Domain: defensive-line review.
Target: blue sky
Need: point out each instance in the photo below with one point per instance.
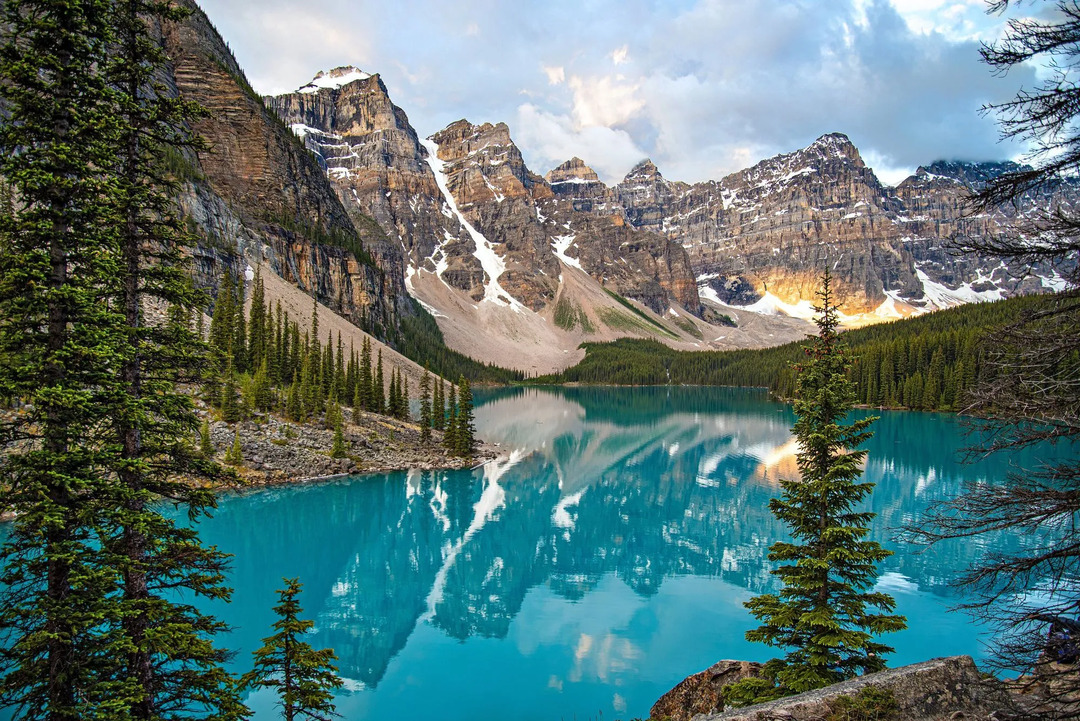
(703, 87)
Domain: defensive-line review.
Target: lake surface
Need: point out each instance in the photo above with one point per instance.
(604, 560)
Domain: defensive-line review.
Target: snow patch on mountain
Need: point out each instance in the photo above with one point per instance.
(942, 296)
(560, 244)
(335, 79)
(493, 265)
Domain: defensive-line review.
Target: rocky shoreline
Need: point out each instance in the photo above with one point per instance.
(941, 689)
(277, 452)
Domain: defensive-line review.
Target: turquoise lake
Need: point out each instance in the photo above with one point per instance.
(606, 558)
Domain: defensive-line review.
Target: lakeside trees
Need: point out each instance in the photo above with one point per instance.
(826, 614)
(90, 625)
(927, 362)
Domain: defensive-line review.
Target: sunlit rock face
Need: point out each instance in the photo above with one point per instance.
(765, 233)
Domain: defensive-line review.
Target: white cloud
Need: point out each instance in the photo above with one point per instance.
(606, 100)
(551, 139)
(555, 75)
(711, 86)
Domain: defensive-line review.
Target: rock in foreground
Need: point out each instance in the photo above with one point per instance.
(935, 690)
(700, 693)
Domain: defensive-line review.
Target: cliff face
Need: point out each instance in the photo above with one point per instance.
(257, 195)
(481, 234)
(760, 237)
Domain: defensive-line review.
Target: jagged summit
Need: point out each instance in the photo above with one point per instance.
(834, 146)
(974, 174)
(572, 171)
(334, 79)
(644, 170)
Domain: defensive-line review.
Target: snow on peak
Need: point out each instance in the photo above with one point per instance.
(334, 79)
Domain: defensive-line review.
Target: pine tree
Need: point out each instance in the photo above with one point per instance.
(235, 455)
(55, 137)
(165, 646)
(239, 332)
(206, 448)
(259, 335)
(464, 430)
(230, 397)
(294, 406)
(403, 396)
(393, 400)
(366, 395)
(425, 407)
(303, 678)
(826, 614)
(378, 404)
(450, 439)
(438, 405)
(338, 450)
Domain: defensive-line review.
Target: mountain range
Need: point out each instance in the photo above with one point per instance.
(332, 188)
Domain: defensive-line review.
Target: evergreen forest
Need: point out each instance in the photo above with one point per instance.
(926, 362)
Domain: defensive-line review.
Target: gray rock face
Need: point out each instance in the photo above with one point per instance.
(382, 169)
(701, 693)
(943, 688)
(770, 228)
(255, 194)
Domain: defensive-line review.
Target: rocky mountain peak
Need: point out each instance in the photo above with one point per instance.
(974, 174)
(645, 171)
(572, 171)
(334, 79)
(835, 146)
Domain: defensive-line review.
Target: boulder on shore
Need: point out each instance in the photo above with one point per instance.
(700, 693)
(937, 690)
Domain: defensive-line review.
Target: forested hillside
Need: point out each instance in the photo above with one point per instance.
(925, 362)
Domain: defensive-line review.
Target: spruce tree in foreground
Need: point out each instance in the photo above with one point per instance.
(303, 678)
(826, 615)
(56, 346)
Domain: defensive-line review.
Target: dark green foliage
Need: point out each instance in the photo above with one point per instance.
(438, 405)
(425, 407)
(378, 402)
(422, 341)
(303, 678)
(826, 615)
(56, 351)
(896, 361)
(364, 391)
(338, 450)
(235, 455)
(82, 79)
(463, 425)
(206, 448)
(450, 436)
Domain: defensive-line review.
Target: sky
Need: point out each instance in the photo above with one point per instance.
(702, 87)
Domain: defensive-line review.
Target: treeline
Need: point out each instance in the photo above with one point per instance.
(262, 363)
(926, 362)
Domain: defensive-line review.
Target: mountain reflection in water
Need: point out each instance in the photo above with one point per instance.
(600, 489)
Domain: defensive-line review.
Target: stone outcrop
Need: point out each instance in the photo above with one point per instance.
(701, 693)
(275, 451)
(936, 690)
(255, 192)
